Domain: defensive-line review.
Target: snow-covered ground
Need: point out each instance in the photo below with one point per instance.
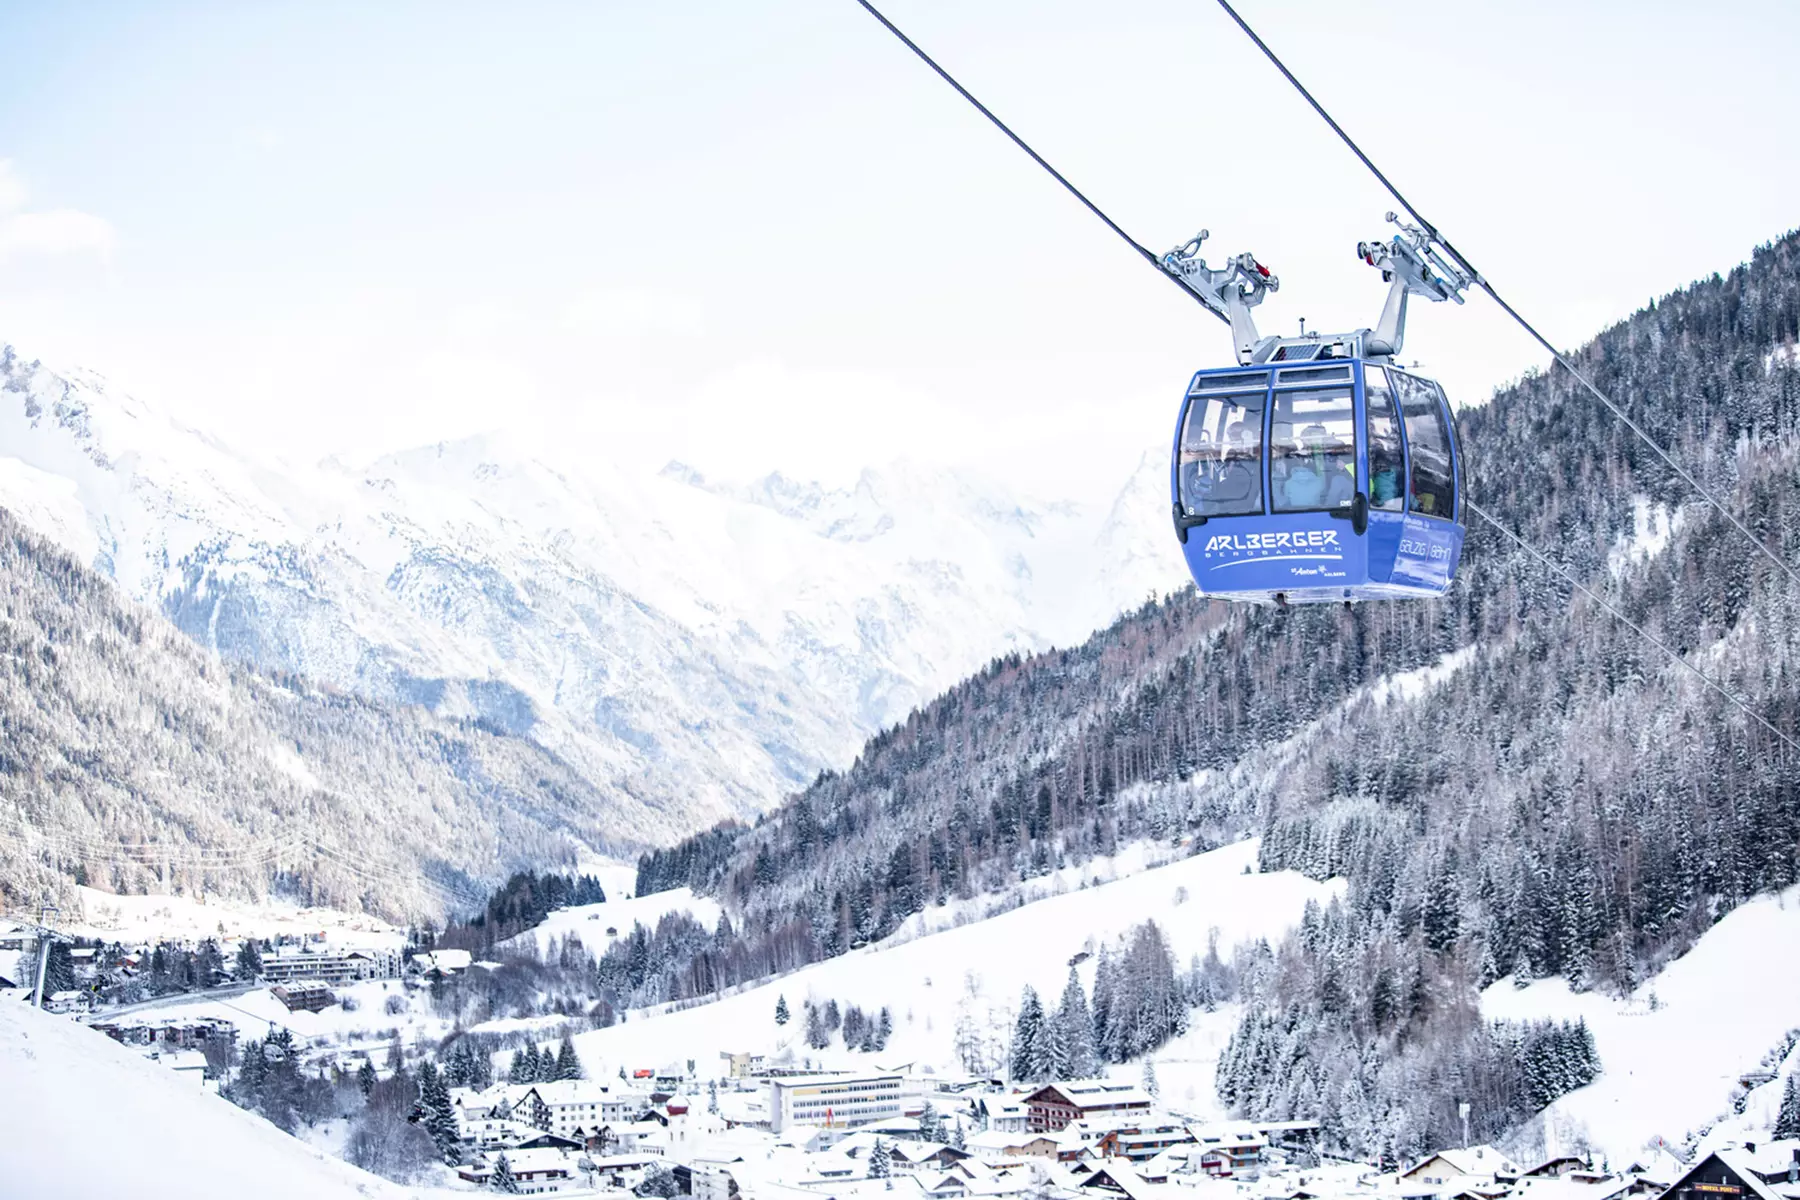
(145, 1132)
(257, 1012)
(153, 918)
(591, 922)
(977, 971)
(1673, 1051)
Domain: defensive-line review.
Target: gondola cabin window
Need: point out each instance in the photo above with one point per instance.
(1387, 461)
(1220, 466)
(1428, 438)
(1312, 450)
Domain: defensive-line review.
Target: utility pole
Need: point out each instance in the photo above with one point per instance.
(44, 936)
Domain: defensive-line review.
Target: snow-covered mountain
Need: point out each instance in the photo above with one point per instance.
(696, 646)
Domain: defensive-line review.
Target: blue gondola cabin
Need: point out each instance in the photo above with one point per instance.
(1332, 480)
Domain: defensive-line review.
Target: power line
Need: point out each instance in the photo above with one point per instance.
(1037, 158)
(1673, 655)
(1508, 309)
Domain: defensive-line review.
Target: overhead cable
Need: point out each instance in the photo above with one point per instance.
(1463, 261)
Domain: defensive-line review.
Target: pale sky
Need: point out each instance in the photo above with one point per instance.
(757, 235)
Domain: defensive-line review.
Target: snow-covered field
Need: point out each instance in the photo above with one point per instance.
(154, 918)
(590, 922)
(1673, 1051)
(979, 969)
(149, 1134)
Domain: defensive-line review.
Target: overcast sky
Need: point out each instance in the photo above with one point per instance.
(758, 235)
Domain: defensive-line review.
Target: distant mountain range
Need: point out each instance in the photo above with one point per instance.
(696, 648)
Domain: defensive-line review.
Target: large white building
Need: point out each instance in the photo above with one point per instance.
(335, 965)
(838, 1101)
(572, 1108)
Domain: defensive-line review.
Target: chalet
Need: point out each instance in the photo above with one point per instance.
(1726, 1175)
(1778, 1163)
(1140, 1140)
(1556, 1168)
(1451, 1171)
(442, 962)
(1229, 1151)
(1054, 1105)
(1005, 1114)
(993, 1147)
(536, 1171)
(308, 995)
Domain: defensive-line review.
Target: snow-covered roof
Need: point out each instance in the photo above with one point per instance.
(1484, 1161)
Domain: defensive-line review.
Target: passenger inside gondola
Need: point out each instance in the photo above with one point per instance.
(1220, 472)
(1315, 468)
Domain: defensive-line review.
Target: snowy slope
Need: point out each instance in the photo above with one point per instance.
(702, 646)
(979, 969)
(590, 922)
(1672, 1052)
(162, 1136)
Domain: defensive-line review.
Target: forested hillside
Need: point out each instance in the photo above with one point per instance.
(125, 749)
(1557, 799)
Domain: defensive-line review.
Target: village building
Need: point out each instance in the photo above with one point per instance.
(304, 995)
(835, 1100)
(1054, 1105)
(1450, 1172)
(578, 1109)
(332, 966)
(1229, 1151)
(1734, 1175)
(536, 1172)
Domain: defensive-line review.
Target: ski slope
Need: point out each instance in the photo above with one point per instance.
(974, 972)
(1672, 1052)
(591, 922)
(85, 1117)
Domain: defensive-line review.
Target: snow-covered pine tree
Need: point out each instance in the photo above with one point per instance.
(1026, 1031)
(1104, 981)
(1077, 1024)
(439, 1116)
(502, 1179)
(818, 1033)
(524, 1065)
(568, 1063)
(365, 1077)
(880, 1164)
(1047, 1049)
(1149, 1077)
(1787, 1121)
(884, 1029)
(781, 1010)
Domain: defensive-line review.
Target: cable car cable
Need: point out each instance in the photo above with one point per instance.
(1463, 261)
(1673, 655)
(1527, 326)
(1020, 142)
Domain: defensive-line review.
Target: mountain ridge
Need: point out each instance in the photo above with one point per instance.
(699, 648)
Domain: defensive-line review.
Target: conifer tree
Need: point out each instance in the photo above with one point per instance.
(1076, 1023)
(365, 1077)
(502, 1179)
(1787, 1121)
(525, 1065)
(1026, 1032)
(568, 1063)
(781, 1010)
(880, 1164)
